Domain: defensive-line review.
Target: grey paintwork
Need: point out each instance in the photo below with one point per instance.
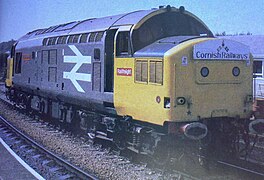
(33, 38)
(34, 75)
(158, 48)
(37, 72)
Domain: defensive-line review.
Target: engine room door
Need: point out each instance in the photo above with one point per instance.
(109, 61)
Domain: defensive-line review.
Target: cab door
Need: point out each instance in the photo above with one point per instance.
(109, 60)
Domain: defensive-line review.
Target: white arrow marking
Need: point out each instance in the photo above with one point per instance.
(79, 59)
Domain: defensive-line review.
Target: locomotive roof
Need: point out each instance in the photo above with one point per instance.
(97, 24)
(89, 25)
(158, 48)
(134, 19)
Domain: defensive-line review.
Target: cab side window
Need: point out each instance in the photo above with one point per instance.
(122, 44)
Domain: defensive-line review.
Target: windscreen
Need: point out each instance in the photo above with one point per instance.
(166, 25)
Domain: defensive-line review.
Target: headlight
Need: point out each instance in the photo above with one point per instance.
(204, 71)
(236, 71)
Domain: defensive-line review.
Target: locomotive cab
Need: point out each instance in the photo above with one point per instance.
(142, 76)
(174, 74)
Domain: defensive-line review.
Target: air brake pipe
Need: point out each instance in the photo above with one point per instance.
(194, 131)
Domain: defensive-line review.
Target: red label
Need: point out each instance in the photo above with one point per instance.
(124, 71)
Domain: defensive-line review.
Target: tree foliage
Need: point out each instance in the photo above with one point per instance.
(236, 34)
(6, 46)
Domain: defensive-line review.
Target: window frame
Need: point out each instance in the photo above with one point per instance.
(120, 41)
(76, 38)
(141, 74)
(60, 40)
(99, 36)
(45, 41)
(257, 74)
(92, 37)
(97, 54)
(155, 74)
(82, 38)
(148, 71)
(70, 39)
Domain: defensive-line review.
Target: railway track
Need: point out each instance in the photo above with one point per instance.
(247, 170)
(224, 169)
(53, 166)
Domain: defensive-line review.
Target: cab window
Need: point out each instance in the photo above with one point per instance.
(122, 44)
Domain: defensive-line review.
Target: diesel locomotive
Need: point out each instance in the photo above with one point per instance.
(144, 80)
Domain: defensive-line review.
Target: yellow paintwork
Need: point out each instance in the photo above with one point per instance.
(219, 95)
(138, 99)
(9, 73)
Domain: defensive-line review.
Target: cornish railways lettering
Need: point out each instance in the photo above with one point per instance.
(221, 49)
(221, 55)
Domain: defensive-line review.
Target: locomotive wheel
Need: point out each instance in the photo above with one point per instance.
(120, 141)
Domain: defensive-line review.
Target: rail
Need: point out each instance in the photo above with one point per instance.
(69, 167)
